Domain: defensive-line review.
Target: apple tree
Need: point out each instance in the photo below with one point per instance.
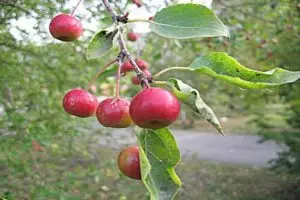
(156, 106)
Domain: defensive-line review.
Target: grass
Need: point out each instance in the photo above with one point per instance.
(78, 168)
(208, 180)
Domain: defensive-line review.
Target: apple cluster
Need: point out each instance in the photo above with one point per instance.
(151, 108)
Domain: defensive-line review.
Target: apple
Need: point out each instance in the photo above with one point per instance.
(154, 108)
(132, 36)
(129, 162)
(138, 3)
(114, 113)
(142, 64)
(135, 79)
(80, 103)
(65, 27)
(126, 67)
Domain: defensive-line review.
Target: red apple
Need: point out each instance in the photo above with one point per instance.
(129, 162)
(80, 103)
(135, 79)
(154, 108)
(142, 64)
(114, 113)
(126, 67)
(132, 36)
(138, 3)
(65, 27)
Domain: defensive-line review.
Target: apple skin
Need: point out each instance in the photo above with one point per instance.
(154, 108)
(142, 64)
(65, 27)
(126, 67)
(129, 162)
(131, 36)
(114, 113)
(135, 79)
(80, 103)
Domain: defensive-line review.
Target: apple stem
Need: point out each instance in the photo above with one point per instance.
(140, 74)
(75, 8)
(161, 83)
(120, 62)
(99, 73)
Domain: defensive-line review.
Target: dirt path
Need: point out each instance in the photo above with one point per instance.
(235, 149)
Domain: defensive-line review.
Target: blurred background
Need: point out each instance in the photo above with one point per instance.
(48, 154)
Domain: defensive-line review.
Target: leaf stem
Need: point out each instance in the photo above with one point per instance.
(161, 83)
(169, 69)
(75, 8)
(138, 20)
(99, 73)
(140, 74)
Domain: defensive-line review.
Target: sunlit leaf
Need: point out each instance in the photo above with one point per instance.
(183, 21)
(222, 66)
(191, 97)
(159, 154)
(101, 43)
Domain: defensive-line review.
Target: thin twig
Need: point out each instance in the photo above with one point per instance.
(140, 74)
(75, 8)
(99, 73)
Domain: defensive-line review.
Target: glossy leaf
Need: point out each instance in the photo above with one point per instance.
(222, 66)
(183, 21)
(101, 43)
(191, 97)
(110, 71)
(159, 154)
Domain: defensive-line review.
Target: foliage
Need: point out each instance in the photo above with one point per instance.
(159, 154)
(187, 21)
(273, 40)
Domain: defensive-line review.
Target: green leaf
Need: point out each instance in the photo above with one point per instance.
(159, 154)
(183, 21)
(191, 97)
(110, 71)
(222, 66)
(101, 43)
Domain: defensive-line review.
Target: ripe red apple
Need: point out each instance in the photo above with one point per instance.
(132, 36)
(126, 67)
(129, 162)
(114, 113)
(80, 103)
(65, 27)
(138, 3)
(142, 64)
(154, 108)
(135, 79)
